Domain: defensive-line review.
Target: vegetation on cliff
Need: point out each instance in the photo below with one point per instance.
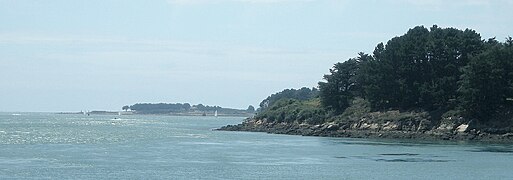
(297, 94)
(437, 72)
(292, 110)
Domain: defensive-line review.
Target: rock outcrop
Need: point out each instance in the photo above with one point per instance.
(393, 125)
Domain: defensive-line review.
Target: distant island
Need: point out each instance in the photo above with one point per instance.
(185, 109)
(436, 83)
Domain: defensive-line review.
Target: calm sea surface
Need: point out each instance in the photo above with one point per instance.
(52, 146)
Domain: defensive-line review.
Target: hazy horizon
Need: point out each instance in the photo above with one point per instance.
(65, 56)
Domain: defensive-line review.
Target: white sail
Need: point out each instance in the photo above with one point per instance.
(215, 113)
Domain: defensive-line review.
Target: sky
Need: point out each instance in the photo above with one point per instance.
(65, 56)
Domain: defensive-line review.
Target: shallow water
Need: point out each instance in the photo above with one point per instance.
(54, 146)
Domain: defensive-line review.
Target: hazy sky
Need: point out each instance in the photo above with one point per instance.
(62, 55)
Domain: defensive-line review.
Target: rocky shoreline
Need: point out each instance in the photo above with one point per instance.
(419, 130)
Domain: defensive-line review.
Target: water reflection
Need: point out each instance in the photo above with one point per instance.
(494, 149)
(400, 154)
(404, 157)
(412, 160)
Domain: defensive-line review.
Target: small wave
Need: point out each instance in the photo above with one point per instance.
(412, 160)
(201, 136)
(204, 143)
(201, 162)
(258, 163)
(399, 154)
(122, 119)
(15, 114)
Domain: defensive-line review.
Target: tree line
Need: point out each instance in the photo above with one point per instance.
(165, 108)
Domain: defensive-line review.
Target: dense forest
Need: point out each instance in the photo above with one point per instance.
(443, 71)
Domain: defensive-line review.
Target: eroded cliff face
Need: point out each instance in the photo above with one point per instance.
(391, 124)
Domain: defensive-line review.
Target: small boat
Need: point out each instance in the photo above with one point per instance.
(215, 114)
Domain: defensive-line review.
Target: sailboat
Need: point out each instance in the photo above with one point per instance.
(215, 114)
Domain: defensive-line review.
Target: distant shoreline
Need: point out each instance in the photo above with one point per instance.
(128, 113)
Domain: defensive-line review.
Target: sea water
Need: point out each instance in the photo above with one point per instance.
(58, 146)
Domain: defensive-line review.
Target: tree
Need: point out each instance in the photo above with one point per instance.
(340, 86)
(293, 110)
(250, 109)
(299, 94)
(200, 107)
(419, 69)
(187, 106)
(125, 108)
(486, 86)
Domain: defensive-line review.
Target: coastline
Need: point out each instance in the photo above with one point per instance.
(130, 113)
(352, 131)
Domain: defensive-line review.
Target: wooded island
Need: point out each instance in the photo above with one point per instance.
(187, 109)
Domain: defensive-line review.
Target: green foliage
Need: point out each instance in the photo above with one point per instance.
(435, 70)
(419, 69)
(487, 82)
(299, 94)
(292, 110)
(340, 86)
(359, 107)
(166, 108)
(159, 108)
(250, 109)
